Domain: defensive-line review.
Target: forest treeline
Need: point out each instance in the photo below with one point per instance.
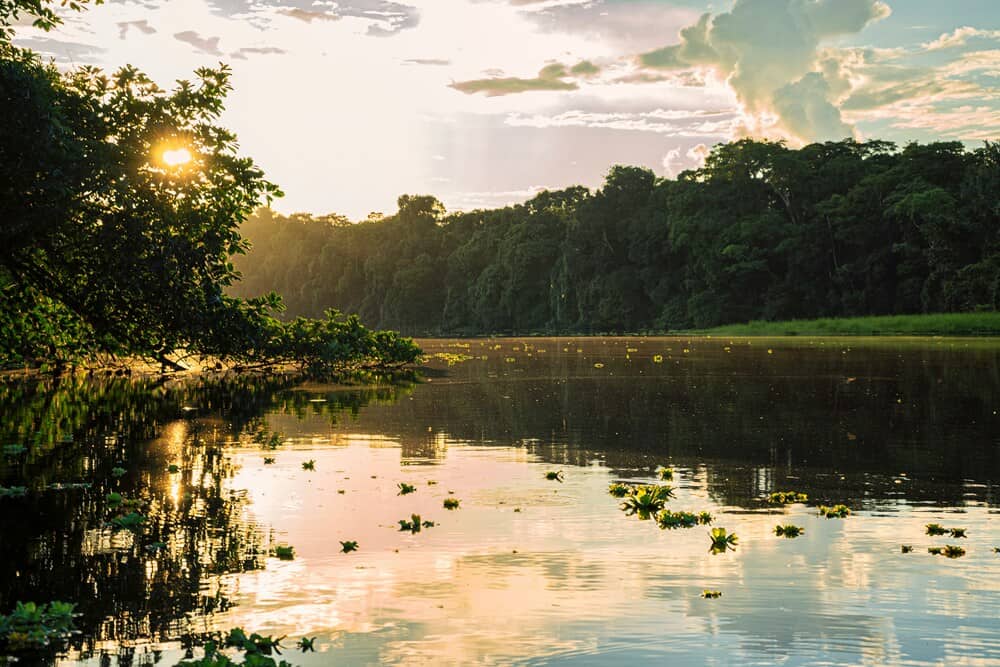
(762, 231)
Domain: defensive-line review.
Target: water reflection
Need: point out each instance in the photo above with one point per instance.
(904, 433)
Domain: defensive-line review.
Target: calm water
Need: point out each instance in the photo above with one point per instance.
(527, 570)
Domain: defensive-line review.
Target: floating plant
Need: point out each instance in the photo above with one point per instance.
(722, 541)
(646, 499)
(665, 474)
(173, 468)
(958, 532)
(711, 595)
(671, 520)
(348, 546)
(451, 503)
(131, 521)
(949, 550)
(619, 490)
(405, 488)
(554, 476)
(837, 511)
(935, 529)
(788, 531)
(117, 472)
(306, 644)
(268, 460)
(787, 497)
(414, 524)
(283, 552)
(32, 626)
(309, 465)
(906, 548)
(13, 491)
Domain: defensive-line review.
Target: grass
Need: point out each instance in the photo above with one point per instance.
(939, 324)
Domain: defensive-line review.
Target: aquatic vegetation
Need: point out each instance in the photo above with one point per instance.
(949, 551)
(118, 472)
(257, 650)
(131, 521)
(33, 626)
(114, 499)
(405, 488)
(906, 548)
(306, 644)
(646, 499)
(671, 520)
(665, 474)
(348, 546)
(283, 552)
(268, 460)
(787, 497)
(13, 491)
(173, 467)
(837, 511)
(451, 503)
(431, 482)
(788, 531)
(958, 532)
(935, 529)
(619, 490)
(414, 524)
(14, 450)
(598, 365)
(554, 476)
(711, 595)
(452, 358)
(309, 465)
(722, 541)
(657, 358)
(153, 547)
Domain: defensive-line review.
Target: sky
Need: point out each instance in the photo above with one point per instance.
(347, 105)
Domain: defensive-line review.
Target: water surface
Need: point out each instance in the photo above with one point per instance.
(528, 570)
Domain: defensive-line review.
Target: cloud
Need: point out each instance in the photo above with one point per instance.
(669, 122)
(309, 15)
(959, 36)
(550, 77)
(142, 26)
(769, 52)
(241, 54)
(209, 45)
(674, 162)
(427, 61)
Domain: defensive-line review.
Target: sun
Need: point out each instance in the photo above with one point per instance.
(176, 157)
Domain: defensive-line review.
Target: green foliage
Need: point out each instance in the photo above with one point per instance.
(935, 529)
(722, 541)
(132, 521)
(451, 503)
(672, 520)
(711, 595)
(256, 649)
(762, 233)
(957, 532)
(405, 489)
(836, 511)
(31, 626)
(553, 476)
(13, 491)
(788, 531)
(283, 552)
(619, 489)
(110, 252)
(665, 474)
(309, 465)
(414, 524)
(348, 546)
(787, 497)
(906, 548)
(268, 460)
(646, 499)
(307, 644)
(950, 551)
(118, 472)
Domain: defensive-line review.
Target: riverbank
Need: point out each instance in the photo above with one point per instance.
(943, 324)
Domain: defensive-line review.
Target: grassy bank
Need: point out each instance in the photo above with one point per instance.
(944, 324)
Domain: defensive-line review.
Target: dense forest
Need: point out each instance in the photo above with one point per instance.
(762, 231)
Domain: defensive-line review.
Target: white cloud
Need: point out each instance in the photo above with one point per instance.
(959, 37)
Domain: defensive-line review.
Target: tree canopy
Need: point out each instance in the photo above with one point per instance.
(120, 211)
